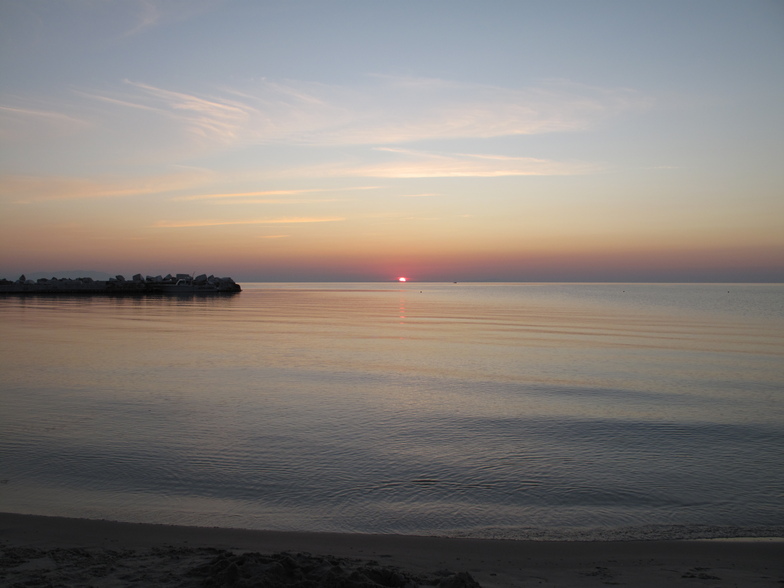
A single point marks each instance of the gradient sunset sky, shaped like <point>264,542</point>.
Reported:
<point>366,140</point>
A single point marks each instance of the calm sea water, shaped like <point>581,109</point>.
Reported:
<point>486,410</point>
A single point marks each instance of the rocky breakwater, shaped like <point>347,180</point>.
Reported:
<point>183,284</point>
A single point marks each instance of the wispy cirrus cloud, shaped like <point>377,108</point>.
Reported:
<point>202,122</point>
<point>239,196</point>
<point>380,110</point>
<point>278,201</point>
<point>120,102</point>
<point>408,163</point>
<point>242,195</point>
<point>22,189</point>
<point>22,123</point>
<point>45,114</point>
<point>395,110</point>
<point>165,224</point>
<point>207,117</point>
<point>147,14</point>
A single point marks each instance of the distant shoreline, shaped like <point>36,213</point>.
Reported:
<point>66,552</point>
<point>118,286</point>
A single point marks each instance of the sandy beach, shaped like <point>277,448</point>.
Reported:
<point>53,551</point>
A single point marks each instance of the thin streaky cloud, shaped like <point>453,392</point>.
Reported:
<point>239,195</point>
<point>278,201</point>
<point>154,13</point>
<point>398,110</point>
<point>421,164</point>
<point>47,114</point>
<point>378,111</point>
<point>207,117</point>
<point>29,189</point>
<point>183,101</point>
<point>306,96</point>
<point>149,17</point>
<point>454,169</point>
<point>242,194</point>
<point>447,156</point>
<point>25,126</point>
<point>510,158</point>
<point>217,223</point>
<point>119,102</point>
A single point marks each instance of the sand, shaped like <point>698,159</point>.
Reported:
<point>54,551</point>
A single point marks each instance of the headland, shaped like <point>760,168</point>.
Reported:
<point>138,285</point>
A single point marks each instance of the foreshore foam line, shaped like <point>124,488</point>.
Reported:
<point>628,533</point>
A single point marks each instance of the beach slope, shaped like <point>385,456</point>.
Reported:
<point>54,551</point>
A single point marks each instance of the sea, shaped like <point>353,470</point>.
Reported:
<point>491,410</point>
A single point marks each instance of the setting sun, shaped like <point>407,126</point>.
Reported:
<point>401,279</point>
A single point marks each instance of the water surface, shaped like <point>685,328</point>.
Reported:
<point>513,410</point>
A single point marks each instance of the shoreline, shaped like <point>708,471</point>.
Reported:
<point>66,552</point>
<point>118,286</point>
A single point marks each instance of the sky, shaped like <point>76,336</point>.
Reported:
<point>363,140</point>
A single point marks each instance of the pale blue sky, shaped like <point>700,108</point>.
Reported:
<point>362,140</point>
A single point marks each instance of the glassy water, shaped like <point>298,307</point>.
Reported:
<point>486,410</point>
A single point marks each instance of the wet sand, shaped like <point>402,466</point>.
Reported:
<point>54,551</point>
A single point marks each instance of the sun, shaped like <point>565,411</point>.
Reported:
<point>402,279</point>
